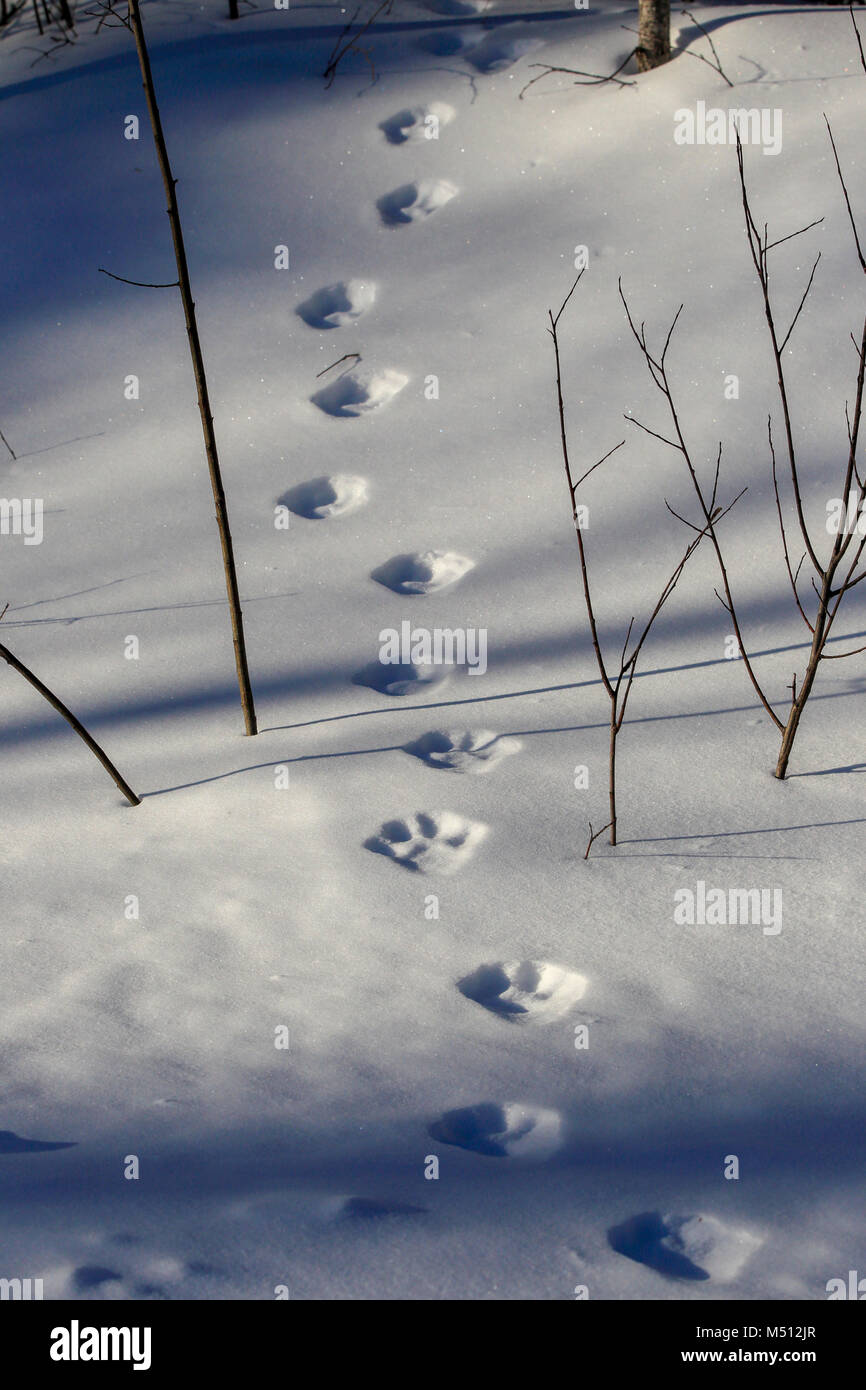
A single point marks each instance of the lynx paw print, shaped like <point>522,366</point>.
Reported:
<point>429,842</point>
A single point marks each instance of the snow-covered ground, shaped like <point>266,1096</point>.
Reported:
<point>266,872</point>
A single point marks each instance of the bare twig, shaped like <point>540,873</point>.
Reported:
<point>70,719</point>
<point>759,249</point>
<point>844,189</point>
<point>344,358</point>
<point>791,575</point>
<point>658,371</point>
<point>595,79</point>
<point>144,284</point>
<point>347,41</point>
<point>859,40</point>
<point>716,64</point>
<point>593,836</point>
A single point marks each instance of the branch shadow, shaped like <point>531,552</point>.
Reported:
<point>510,733</point>
<point>830,771</point>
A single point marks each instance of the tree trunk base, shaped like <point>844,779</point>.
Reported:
<point>654,34</point>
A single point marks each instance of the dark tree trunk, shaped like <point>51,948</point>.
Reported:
<point>654,34</point>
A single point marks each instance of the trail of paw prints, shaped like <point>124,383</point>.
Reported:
<point>326,497</point>
<point>463,750</point>
<point>509,1130</point>
<point>429,843</point>
<point>413,202</point>
<point>695,1246</point>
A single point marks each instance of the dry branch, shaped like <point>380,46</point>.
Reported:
<point>133,21</point>
<point>617,681</point>
<point>70,719</point>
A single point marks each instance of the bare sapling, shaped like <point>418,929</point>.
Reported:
<point>132,21</point>
<point>833,577</point>
<point>618,679</point>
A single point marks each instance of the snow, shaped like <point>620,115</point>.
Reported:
<point>152,954</point>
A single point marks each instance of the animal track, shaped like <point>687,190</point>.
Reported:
<point>463,750</point>
<point>93,1277</point>
<point>685,1247</point>
<point>139,1276</point>
<point>335,306</point>
<point>422,573</point>
<point>438,843</point>
<point>524,990</point>
<point>416,123</point>
<point>502,51</point>
<point>357,393</point>
<point>398,678</point>
<point>511,1130</point>
<point>415,201</point>
<point>321,498</point>
<point>446,44</point>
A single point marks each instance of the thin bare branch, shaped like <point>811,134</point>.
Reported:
<point>859,40</point>
<point>633,420</point>
<point>143,284</point>
<point>717,65</point>
<point>791,577</point>
<point>800,306</point>
<point>347,42</point>
<point>602,460</point>
<point>790,237</point>
<point>593,836</point>
<point>70,718</point>
<point>571,488</point>
<point>344,358</point>
<point>845,191</point>
<point>660,379</point>
<point>555,321</point>
<point>758,253</point>
<point>595,79</point>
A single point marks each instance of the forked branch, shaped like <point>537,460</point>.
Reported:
<point>616,680</point>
